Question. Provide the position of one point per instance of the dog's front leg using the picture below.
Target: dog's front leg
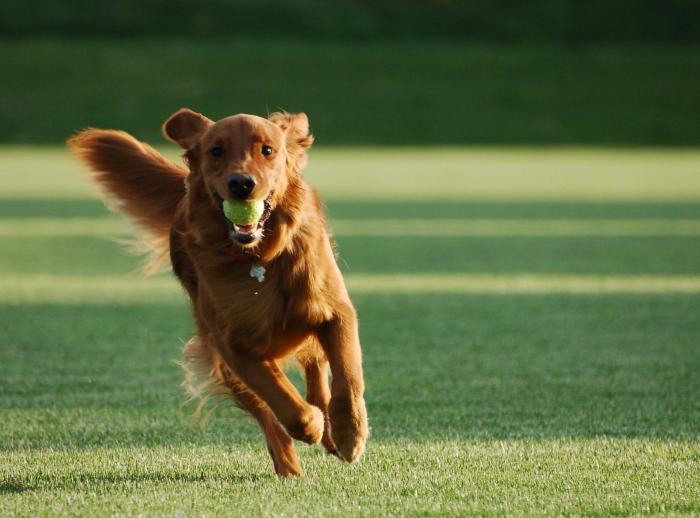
(302, 421)
(348, 416)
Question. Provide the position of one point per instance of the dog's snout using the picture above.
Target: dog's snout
(241, 185)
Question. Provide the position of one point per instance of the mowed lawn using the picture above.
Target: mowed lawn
(530, 321)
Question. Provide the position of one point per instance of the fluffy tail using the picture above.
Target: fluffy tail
(139, 181)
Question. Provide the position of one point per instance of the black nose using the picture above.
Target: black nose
(241, 185)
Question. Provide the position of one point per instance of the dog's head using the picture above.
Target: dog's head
(243, 158)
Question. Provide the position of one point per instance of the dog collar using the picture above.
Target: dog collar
(257, 270)
(239, 256)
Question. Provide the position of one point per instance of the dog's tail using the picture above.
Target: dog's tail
(137, 180)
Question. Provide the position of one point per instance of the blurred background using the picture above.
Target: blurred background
(598, 72)
(514, 188)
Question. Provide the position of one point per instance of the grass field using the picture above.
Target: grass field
(530, 321)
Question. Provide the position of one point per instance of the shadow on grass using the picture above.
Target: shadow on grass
(397, 209)
(16, 485)
(96, 255)
(52, 208)
(11, 486)
(436, 366)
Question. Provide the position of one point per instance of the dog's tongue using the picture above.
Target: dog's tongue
(245, 229)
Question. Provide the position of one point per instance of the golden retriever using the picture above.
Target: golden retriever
(259, 293)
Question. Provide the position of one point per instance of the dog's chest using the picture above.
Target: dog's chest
(271, 315)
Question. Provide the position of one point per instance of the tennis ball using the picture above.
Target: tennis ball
(243, 212)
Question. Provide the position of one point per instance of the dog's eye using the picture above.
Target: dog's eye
(266, 150)
(216, 151)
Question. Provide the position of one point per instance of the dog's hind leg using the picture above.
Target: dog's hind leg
(348, 414)
(318, 392)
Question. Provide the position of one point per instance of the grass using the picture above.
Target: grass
(537, 354)
(402, 92)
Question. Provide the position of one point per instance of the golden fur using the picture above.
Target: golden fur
(245, 328)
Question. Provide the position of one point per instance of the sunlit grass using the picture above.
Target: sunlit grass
(442, 478)
(529, 319)
(132, 288)
(101, 226)
(431, 173)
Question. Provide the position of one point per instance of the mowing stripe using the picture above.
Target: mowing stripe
(47, 227)
(516, 227)
(460, 173)
(132, 288)
(522, 283)
(44, 227)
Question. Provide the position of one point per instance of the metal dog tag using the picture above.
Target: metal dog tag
(257, 270)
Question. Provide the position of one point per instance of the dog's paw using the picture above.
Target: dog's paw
(308, 427)
(349, 428)
(289, 471)
(287, 467)
(284, 456)
(327, 439)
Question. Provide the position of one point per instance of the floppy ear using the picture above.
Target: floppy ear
(184, 127)
(296, 128)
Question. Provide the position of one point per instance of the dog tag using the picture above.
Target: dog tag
(258, 271)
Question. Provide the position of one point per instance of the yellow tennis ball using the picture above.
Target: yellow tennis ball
(243, 212)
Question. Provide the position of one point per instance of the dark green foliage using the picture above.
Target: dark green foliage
(401, 93)
(548, 21)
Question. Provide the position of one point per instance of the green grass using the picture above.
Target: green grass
(537, 355)
(405, 92)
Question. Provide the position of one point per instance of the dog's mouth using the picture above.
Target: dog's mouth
(249, 234)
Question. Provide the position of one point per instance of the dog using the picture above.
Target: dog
(260, 293)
